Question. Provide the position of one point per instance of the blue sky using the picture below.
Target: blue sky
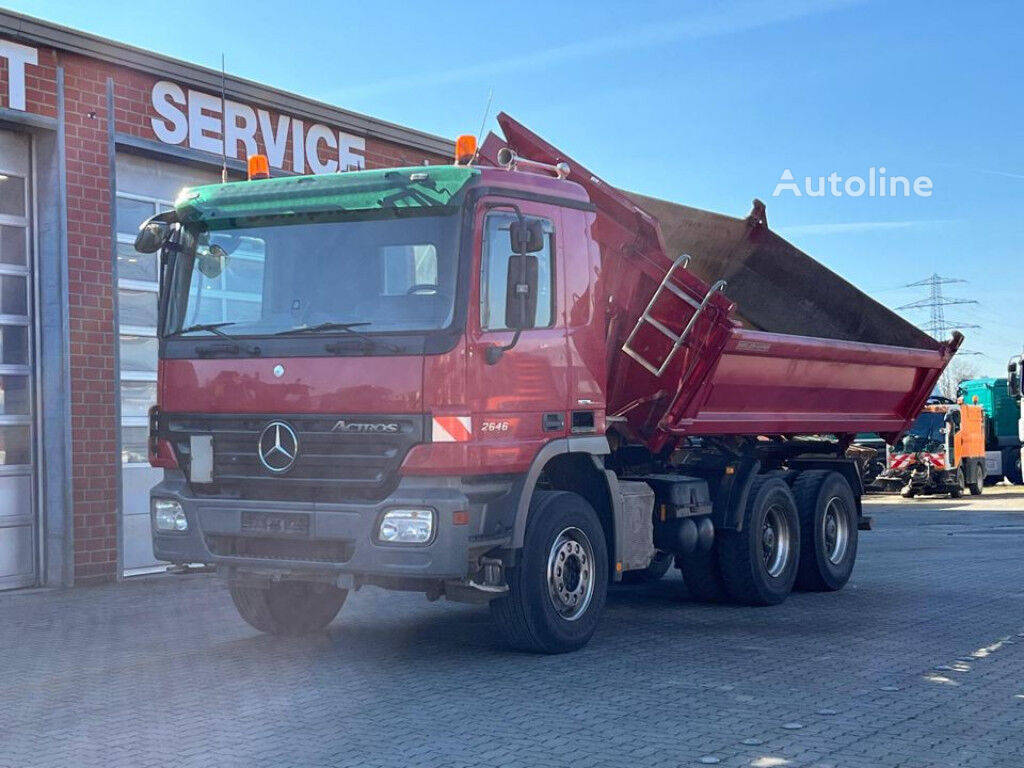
(703, 103)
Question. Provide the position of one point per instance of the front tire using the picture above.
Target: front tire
(759, 562)
(977, 484)
(558, 589)
(289, 608)
(828, 530)
(959, 486)
(1014, 474)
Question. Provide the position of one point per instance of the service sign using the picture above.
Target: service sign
(195, 119)
(182, 116)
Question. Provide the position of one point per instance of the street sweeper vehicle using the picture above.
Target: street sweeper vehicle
(943, 451)
(506, 381)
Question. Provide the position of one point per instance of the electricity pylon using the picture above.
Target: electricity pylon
(938, 326)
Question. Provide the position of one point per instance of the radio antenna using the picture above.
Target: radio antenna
(483, 125)
(223, 128)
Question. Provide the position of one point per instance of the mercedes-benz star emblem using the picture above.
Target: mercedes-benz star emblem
(278, 447)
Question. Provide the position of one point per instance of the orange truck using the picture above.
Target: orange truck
(943, 452)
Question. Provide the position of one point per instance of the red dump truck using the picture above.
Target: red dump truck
(505, 381)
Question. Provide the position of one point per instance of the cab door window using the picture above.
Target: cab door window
(494, 275)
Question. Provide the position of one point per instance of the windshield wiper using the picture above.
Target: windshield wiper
(215, 328)
(346, 328)
(211, 327)
(324, 327)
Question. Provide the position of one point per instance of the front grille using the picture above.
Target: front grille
(302, 550)
(331, 464)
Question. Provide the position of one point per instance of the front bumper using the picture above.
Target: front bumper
(920, 478)
(341, 536)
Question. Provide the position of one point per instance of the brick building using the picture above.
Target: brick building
(94, 137)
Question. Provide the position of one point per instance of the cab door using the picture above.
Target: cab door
(520, 401)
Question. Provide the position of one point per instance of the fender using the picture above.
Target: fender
(731, 498)
(595, 447)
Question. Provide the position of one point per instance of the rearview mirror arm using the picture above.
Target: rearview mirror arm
(494, 352)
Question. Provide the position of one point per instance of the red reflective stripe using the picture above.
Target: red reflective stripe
(451, 429)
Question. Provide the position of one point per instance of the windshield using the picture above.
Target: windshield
(925, 434)
(379, 275)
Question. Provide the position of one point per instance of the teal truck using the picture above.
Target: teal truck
(1000, 399)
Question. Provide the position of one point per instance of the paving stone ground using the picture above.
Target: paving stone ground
(919, 662)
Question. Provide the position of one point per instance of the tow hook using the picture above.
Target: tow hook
(492, 568)
(470, 591)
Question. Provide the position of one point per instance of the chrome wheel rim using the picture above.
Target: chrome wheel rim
(571, 573)
(775, 540)
(835, 530)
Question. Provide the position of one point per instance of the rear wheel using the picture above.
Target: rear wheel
(287, 607)
(659, 566)
(759, 562)
(828, 530)
(702, 576)
(558, 589)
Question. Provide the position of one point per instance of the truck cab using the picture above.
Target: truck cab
(329, 357)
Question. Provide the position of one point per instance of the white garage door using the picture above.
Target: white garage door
(144, 187)
(18, 517)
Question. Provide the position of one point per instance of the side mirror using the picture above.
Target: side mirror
(1013, 378)
(526, 236)
(521, 295)
(211, 263)
(152, 235)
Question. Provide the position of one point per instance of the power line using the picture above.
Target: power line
(936, 303)
(938, 326)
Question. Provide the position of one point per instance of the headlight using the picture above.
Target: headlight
(169, 516)
(406, 526)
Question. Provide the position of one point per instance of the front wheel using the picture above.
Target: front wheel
(759, 562)
(959, 485)
(286, 607)
(977, 485)
(558, 588)
(1014, 474)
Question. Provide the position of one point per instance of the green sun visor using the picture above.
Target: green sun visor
(392, 189)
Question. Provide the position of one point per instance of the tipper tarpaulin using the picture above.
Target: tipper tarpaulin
(776, 286)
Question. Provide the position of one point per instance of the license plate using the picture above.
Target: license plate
(294, 524)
